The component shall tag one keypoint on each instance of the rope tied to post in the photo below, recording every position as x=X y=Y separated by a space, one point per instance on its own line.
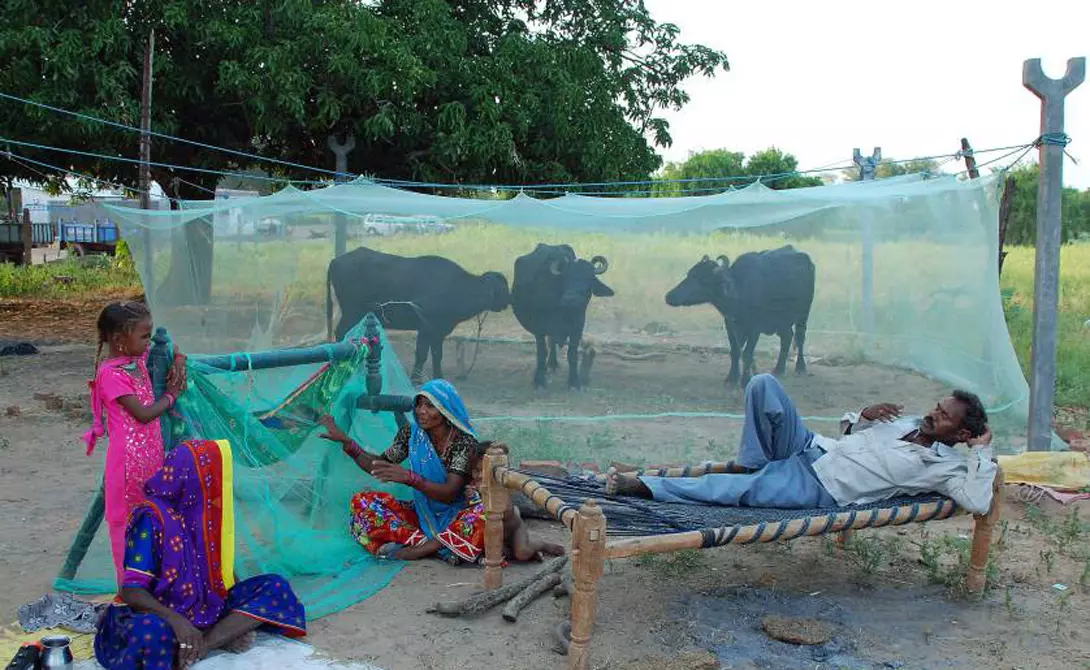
x=1060 y=139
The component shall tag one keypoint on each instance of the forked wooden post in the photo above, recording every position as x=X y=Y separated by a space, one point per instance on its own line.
x=495 y=500
x=977 y=577
x=1046 y=273
x=588 y=564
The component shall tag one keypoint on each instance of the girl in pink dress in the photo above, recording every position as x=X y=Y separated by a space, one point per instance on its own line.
x=122 y=387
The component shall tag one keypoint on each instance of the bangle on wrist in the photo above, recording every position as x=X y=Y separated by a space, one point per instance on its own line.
x=414 y=479
x=170 y=399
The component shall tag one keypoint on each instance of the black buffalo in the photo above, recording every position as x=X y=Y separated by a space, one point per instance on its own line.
x=550 y=293
x=763 y=292
x=428 y=294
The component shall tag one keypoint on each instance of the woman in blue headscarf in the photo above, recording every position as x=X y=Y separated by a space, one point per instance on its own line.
x=442 y=519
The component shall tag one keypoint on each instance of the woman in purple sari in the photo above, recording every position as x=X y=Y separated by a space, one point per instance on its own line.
x=179 y=599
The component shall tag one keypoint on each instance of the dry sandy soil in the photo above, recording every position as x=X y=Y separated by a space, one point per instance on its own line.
x=878 y=596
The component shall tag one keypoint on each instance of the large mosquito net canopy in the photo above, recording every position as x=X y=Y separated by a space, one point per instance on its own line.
x=905 y=300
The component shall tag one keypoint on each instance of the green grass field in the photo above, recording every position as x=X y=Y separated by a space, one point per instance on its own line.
x=642 y=268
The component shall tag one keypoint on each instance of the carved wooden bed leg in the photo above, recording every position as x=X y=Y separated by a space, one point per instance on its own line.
x=982 y=541
x=588 y=564
x=495 y=500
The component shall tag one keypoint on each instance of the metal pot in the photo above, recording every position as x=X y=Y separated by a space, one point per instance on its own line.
x=56 y=655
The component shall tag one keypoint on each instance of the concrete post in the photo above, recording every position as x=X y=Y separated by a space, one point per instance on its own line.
x=340 y=234
x=1046 y=280
x=868 y=167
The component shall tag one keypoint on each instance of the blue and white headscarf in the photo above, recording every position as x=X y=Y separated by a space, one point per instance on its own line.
x=435 y=516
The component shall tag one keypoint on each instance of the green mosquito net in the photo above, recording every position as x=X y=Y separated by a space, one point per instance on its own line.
x=292 y=488
x=906 y=305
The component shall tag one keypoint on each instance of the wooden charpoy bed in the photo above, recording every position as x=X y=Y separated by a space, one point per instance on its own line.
x=619 y=527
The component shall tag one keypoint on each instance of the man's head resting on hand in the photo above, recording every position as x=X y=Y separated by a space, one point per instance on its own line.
x=957 y=418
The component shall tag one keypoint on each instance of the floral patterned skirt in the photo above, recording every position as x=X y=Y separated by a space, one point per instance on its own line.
x=378 y=518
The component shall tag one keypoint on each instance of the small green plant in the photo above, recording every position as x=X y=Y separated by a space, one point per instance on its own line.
x=677 y=564
x=946 y=560
x=1048 y=559
x=871 y=552
x=5 y=444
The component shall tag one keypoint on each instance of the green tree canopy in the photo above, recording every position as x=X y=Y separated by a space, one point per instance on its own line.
x=717 y=170
x=453 y=90
x=1022 y=224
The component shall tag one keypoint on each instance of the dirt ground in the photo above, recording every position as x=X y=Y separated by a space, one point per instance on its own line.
x=885 y=596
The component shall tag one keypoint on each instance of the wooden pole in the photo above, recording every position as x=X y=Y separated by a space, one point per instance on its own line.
x=496 y=498
x=970 y=160
x=538 y=494
x=1004 y=217
x=588 y=564
x=977 y=577
x=26 y=233
x=1046 y=279
x=145 y=163
x=868 y=168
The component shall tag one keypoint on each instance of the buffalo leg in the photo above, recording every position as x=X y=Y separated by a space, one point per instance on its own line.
x=800 y=340
x=539 y=369
x=785 y=348
x=554 y=348
x=747 y=356
x=423 y=343
x=437 y=355
x=735 y=353
x=573 y=361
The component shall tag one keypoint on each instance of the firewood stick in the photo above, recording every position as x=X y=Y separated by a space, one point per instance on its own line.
x=514 y=606
x=566 y=586
x=482 y=602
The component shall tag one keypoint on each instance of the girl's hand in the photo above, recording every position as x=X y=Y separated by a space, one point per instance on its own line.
x=333 y=433
x=176 y=387
x=178 y=375
x=390 y=473
x=190 y=641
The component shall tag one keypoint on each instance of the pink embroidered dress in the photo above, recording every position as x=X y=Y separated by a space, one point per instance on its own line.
x=135 y=450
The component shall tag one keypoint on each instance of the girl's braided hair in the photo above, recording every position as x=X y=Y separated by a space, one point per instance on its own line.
x=118 y=318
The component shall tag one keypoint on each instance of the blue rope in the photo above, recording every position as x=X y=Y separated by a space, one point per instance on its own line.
x=1054 y=139
x=137 y=161
x=134 y=129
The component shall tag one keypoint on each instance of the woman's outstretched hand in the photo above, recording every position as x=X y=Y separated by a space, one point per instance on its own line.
x=389 y=473
x=333 y=433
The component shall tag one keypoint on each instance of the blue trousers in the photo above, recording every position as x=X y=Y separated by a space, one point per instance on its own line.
x=776 y=444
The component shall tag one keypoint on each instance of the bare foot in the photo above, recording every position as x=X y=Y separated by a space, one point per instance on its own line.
x=552 y=549
x=620 y=484
x=242 y=643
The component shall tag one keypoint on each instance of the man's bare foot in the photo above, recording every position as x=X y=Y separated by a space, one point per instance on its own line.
x=620 y=484
x=242 y=643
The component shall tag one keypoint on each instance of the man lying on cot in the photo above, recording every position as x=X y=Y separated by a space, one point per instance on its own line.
x=881 y=455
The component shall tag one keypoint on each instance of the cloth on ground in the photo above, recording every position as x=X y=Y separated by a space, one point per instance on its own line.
x=270 y=652
x=58 y=611
x=1057 y=470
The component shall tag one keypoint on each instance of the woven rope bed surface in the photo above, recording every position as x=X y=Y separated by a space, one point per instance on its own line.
x=629 y=516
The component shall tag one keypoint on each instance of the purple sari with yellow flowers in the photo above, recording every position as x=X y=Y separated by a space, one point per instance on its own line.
x=179 y=546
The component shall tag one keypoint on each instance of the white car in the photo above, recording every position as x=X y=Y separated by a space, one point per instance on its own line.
x=387 y=224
